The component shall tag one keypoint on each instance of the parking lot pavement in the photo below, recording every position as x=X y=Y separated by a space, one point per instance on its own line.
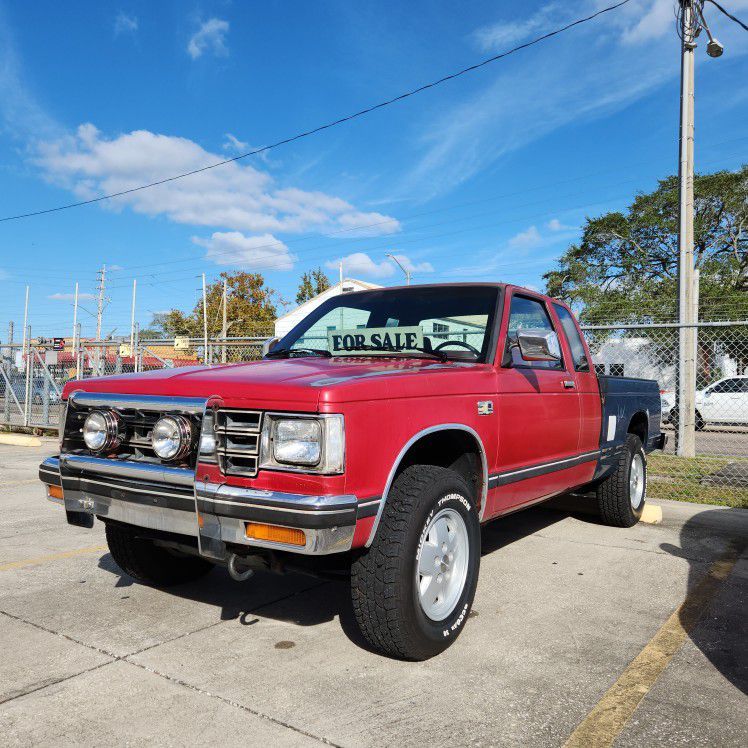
x=569 y=618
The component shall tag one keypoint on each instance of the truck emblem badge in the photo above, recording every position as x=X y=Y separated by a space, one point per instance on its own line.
x=485 y=407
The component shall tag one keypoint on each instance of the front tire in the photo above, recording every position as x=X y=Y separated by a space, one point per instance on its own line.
x=413 y=588
x=147 y=562
x=622 y=495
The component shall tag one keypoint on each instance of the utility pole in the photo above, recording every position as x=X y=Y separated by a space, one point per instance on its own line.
x=686 y=438
x=224 y=322
x=205 y=325
x=100 y=303
x=340 y=268
x=132 y=320
x=692 y=21
x=25 y=317
x=75 y=329
x=400 y=265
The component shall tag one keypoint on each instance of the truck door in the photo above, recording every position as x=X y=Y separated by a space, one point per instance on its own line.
x=538 y=411
x=586 y=379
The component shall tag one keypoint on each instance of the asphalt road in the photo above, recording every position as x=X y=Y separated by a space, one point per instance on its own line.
x=573 y=639
x=715 y=441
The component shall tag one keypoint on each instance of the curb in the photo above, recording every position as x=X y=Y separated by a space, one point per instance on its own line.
x=20 y=440
x=651 y=514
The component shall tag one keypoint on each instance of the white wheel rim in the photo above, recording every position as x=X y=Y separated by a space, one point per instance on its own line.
x=442 y=564
x=636 y=481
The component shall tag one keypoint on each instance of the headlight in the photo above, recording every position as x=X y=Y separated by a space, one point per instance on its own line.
x=101 y=430
x=313 y=444
x=171 y=437
x=297 y=442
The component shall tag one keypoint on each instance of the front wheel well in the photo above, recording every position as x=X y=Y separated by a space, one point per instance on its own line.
x=454 y=449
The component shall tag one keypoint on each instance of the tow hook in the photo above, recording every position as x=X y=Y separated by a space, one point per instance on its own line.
x=237 y=569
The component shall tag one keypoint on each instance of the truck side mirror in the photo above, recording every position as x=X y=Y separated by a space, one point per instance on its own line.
x=538 y=345
x=268 y=345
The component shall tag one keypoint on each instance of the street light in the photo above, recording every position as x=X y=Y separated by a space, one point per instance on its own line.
x=400 y=265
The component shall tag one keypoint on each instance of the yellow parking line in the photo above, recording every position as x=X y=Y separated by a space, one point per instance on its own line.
x=51 y=557
x=605 y=722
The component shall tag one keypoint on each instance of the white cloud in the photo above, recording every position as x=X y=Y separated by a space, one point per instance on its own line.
x=124 y=24
x=263 y=252
x=71 y=296
x=555 y=225
x=234 y=144
x=499 y=36
x=653 y=23
x=526 y=239
x=367 y=224
x=359 y=263
x=210 y=37
x=235 y=196
x=585 y=73
x=414 y=267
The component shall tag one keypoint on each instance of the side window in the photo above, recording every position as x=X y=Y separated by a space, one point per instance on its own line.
x=575 y=339
x=527 y=314
x=728 y=386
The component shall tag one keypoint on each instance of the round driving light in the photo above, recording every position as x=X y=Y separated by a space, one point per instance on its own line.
x=101 y=431
x=171 y=437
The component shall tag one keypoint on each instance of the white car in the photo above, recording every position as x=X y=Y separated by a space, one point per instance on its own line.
x=724 y=401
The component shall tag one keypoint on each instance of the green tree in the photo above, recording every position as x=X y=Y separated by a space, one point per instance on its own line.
x=312 y=284
x=250 y=309
x=625 y=268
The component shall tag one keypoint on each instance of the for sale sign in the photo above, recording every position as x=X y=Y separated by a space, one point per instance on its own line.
x=375 y=340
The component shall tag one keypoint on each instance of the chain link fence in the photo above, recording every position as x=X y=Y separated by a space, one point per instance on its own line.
x=718 y=473
x=32 y=377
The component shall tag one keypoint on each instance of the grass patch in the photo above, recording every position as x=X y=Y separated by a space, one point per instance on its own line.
x=679 y=478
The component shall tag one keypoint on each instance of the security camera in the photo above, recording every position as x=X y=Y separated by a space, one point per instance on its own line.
x=714 y=48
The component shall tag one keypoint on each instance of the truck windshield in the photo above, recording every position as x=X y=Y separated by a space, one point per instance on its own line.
x=454 y=322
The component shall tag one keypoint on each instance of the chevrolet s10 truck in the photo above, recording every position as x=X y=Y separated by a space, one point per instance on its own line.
x=373 y=440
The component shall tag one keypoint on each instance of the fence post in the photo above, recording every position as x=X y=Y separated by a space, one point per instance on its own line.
x=29 y=369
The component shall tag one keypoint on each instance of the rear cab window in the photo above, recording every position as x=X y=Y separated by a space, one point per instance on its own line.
x=573 y=337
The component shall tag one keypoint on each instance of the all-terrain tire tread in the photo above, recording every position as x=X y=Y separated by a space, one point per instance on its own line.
x=613 y=492
x=374 y=573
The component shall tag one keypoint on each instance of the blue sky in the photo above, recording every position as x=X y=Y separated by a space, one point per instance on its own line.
x=485 y=178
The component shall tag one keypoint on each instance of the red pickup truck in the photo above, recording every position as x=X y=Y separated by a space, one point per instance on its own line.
x=375 y=438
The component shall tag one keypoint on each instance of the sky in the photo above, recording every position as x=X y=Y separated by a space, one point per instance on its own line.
x=486 y=177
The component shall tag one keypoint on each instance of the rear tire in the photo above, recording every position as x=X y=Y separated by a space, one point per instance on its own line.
x=146 y=562
x=413 y=588
x=622 y=495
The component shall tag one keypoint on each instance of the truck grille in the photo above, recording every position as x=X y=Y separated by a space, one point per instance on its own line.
x=237 y=435
x=137 y=426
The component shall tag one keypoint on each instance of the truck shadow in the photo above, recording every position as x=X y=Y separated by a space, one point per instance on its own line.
x=307 y=601
x=721 y=632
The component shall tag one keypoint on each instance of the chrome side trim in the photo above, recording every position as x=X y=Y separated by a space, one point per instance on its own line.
x=193 y=405
x=128 y=469
x=541 y=468
x=289 y=502
x=403 y=452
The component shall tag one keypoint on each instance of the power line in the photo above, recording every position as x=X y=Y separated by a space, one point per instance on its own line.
x=328 y=125
x=729 y=15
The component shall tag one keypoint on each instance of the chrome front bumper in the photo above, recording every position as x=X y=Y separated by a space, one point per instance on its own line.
x=167 y=499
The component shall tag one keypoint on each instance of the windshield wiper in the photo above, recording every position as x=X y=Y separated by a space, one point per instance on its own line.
x=436 y=354
x=288 y=352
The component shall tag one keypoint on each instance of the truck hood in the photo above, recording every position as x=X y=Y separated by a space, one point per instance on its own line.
x=305 y=382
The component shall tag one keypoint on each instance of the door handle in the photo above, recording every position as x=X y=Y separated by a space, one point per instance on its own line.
x=568 y=384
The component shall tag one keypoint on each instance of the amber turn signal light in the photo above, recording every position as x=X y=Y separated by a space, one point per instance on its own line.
x=54 y=492
x=275 y=533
